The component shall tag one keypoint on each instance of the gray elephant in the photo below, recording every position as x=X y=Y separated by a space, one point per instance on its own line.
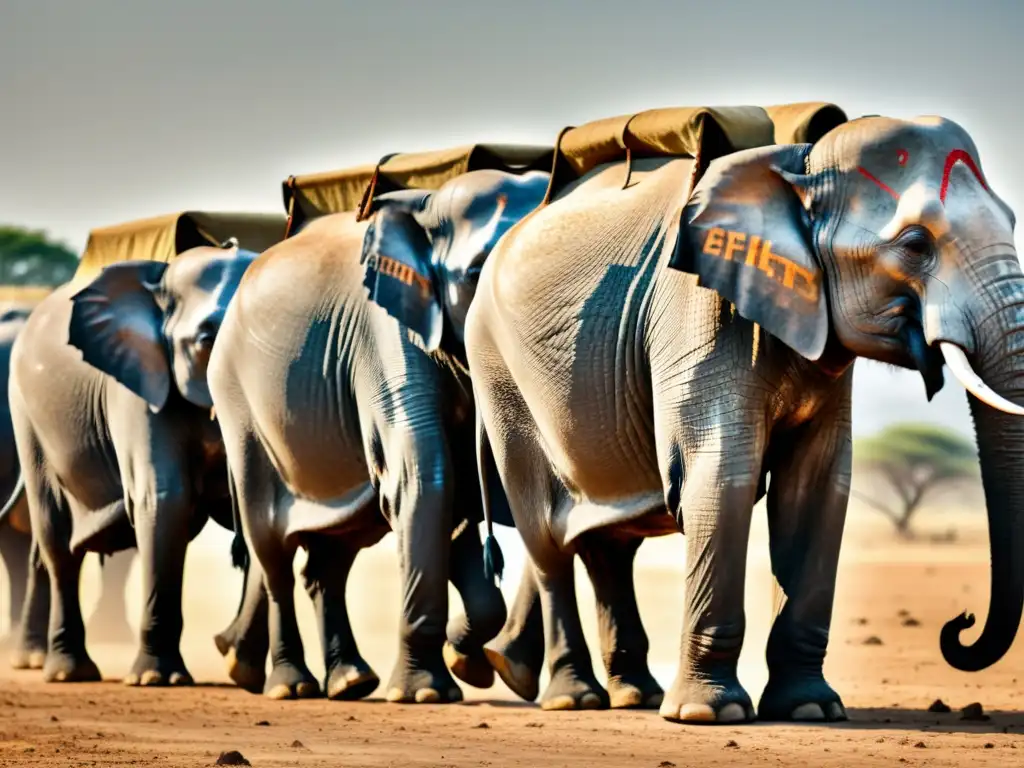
x=671 y=340
x=29 y=590
x=114 y=430
x=29 y=586
x=339 y=428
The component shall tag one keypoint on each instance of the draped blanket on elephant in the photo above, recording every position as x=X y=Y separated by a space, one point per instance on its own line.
x=353 y=189
x=162 y=238
x=702 y=133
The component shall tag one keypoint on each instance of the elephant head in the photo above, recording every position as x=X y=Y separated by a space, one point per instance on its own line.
x=885 y=240
x=423 y=251
x=147 y=323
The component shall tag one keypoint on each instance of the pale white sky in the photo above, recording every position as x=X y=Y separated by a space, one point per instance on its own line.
x=116 y=109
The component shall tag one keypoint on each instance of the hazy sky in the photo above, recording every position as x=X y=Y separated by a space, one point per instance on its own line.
x=116 y=109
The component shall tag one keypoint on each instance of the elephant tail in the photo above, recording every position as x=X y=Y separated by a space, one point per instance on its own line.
x=494 y=561
x=16 y=496
x=239 y=552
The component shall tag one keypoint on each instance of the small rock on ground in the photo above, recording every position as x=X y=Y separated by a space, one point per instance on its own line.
x=731 y=743
x=234 y=757
x=873 y=640
x=974 y=712
x=298 y=745
x=910 y=621
x=939 y=706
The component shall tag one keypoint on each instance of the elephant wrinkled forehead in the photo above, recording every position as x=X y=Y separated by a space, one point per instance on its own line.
x=206 y=268
x=897 y=155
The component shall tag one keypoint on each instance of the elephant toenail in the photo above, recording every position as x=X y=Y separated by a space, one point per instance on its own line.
x=427 y=696
x=697 y=713
x=563 y=702
x=810 y=712
x=732 y=713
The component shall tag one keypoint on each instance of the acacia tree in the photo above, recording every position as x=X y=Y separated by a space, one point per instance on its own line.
x=29 y=257
x=914 y=459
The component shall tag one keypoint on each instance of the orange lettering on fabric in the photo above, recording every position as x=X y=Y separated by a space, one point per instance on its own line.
x=758 y=253
x=734 y=241
x=714 y=241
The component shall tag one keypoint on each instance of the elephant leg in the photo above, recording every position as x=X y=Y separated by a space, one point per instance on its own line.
x=717 y=500
x=14 y=550
x=253 y=483
x=348 y=676
x=30 y=649
x=624 y=644
x=161 y=532
x=517 y=653
x=245 y=644
x=416 y=495
x=67 y=661
x=810 y=480
x=109 y=621
x=484 y=611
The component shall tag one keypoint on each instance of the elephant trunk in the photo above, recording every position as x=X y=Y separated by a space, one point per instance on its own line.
x=995 y=405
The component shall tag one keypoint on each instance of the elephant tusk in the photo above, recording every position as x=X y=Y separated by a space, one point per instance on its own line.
x=958 y=364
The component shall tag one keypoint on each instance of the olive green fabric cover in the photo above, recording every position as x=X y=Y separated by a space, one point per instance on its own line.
x=352 y=189
x=163 y=237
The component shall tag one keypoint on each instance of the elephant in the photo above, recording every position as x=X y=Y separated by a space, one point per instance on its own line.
x=330 y=412
x=29 y=587
x=117 y=441
x=29 y=591
x=647 y=355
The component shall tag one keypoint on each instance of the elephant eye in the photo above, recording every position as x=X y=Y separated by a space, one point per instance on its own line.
x=916 y=244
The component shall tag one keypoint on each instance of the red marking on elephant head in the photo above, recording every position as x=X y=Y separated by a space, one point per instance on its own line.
x=954 y=157
x=882 y=185
x=902 y=156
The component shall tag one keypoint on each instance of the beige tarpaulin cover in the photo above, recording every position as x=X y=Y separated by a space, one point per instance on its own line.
x=703 y=133
x=164 y=237
x=351 y=189
x=804 y=123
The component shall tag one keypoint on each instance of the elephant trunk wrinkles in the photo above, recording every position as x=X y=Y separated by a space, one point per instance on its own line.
x=999 y=360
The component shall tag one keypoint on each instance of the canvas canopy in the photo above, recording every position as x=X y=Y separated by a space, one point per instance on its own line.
x=804 y=123
x=703 y=133
x=352 y=189
x=163 y=237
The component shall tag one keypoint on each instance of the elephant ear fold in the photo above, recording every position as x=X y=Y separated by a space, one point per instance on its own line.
x=398 y=273
x=117 y=324
x=746 y=233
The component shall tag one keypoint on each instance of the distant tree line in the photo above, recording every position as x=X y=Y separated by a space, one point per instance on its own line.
x=30 y=257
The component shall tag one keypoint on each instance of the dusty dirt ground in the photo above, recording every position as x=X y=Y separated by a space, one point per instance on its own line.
x=899 y=593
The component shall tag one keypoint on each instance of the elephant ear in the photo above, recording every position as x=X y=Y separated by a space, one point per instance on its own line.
x=398 y=272
x=117 y=325
x=746 y=233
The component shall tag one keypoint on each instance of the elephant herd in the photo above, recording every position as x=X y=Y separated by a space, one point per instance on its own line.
x=641 y=330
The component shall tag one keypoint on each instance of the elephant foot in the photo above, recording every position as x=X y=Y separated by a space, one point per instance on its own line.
x=70 y=668
x=423 y=680
x=349 y=682
x=288 y=681
x=28 y=658
x=634 y=690
x=800 y=698
x=516 y=670
x=570 y=690
x=246 y=675
x=704 y=699
x=153 y=671
x=472 y=668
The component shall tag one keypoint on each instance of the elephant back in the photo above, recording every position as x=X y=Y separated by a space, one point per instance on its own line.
x=700 y=133
x=353 y=189
x=164 y=238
